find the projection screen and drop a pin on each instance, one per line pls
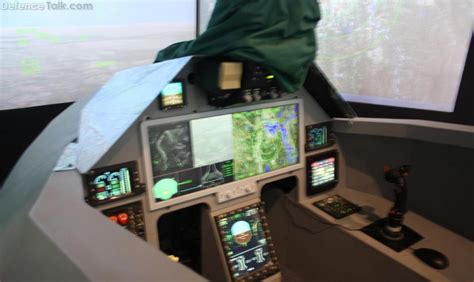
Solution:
(404, 53)
(58, 51)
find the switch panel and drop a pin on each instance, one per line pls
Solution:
(237, 192)
(130, 217)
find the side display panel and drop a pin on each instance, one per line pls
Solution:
(246, 243)
(318, 136)
(173, 96)
(322, 172)
(106, 184)
(190, 155)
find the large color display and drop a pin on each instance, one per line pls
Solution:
(189, 156)
(245, 242)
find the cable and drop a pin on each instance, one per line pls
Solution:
(285, 207)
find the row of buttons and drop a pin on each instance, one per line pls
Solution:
(130, 217)
(337, 206)
(233, 193)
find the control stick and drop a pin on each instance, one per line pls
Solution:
(390, 230)
(397, 176)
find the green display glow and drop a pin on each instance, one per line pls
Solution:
(165, 189)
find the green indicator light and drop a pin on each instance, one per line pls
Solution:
(186, 182)
(270, 77)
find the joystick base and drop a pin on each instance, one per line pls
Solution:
(397, 242)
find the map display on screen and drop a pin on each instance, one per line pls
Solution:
(264, 140)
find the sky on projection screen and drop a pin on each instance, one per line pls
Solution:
(54, 56)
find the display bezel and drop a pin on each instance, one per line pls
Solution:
(137, 188)
(310, 190)
(328, 125)
(267, 270)
(178, 106)
(153, 205)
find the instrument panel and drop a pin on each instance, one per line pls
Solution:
(179, 164)
(196, 155)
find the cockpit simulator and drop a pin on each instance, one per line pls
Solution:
(235, 164)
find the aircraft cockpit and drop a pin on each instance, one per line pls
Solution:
(205, 168)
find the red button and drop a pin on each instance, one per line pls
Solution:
(123, 218)
(113, 218)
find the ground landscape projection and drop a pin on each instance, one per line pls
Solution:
(265, 140)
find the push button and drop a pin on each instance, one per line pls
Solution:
(123, 218)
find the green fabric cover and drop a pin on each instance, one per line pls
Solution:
(278, 34)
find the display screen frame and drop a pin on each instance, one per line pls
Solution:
(147, 159)
(136, 187)
(272, 266)
(164, 107)
(310, 190)
(329, 141)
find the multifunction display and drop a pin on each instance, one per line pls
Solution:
(245, 240)
(321, 172)
(173, 96)
(110, 183)
(318, 136)
(192, 155)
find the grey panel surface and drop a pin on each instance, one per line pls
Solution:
(314, 251)
(33, 256)
(421, 130)
(21, 190)
(439, 187)
(100, 248)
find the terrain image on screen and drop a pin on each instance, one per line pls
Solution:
(265, 140)
(170, 147)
